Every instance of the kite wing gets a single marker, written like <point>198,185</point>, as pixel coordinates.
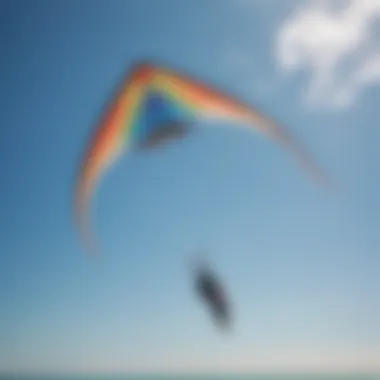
<point>209,103</point>
<point>149,99</point>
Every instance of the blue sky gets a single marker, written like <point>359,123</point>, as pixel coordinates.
<point>301,265</point>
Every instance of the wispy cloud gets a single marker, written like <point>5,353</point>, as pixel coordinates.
<point>337,43</point>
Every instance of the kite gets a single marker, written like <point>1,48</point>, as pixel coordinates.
<point>156,104</point>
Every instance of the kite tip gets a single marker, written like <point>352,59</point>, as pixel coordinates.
<point>87,239</point>
<point>320,176</point>
<point>328,183</point>
<point>143,67</point>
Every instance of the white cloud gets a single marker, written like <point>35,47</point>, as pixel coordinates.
<point>336,43</point>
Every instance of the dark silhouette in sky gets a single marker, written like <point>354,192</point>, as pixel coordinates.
<point>211,292</point>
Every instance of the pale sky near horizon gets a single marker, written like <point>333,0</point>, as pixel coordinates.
<point>301,264</point>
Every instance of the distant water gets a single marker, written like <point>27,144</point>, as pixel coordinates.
<point>313,376</point>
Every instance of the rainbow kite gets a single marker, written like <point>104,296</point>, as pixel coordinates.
<point>154,104</point>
